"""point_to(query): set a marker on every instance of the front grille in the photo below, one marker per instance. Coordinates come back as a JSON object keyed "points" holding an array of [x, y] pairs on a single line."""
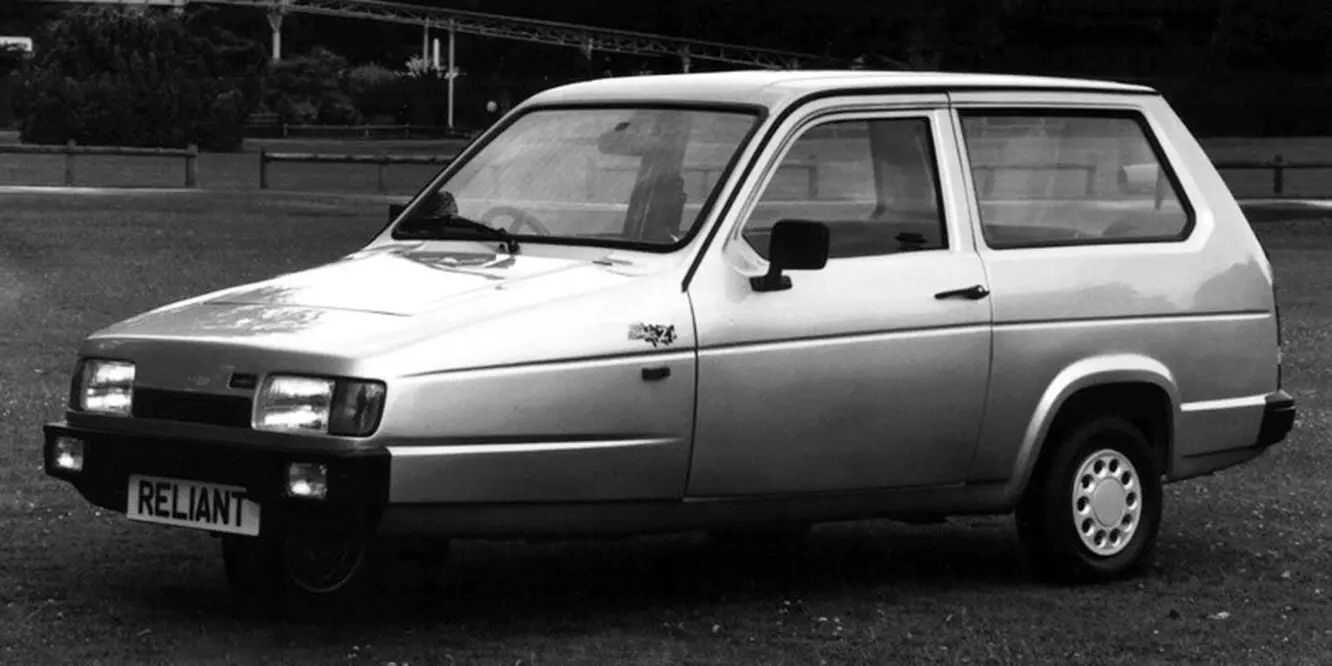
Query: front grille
{"points": [[223, 410]]}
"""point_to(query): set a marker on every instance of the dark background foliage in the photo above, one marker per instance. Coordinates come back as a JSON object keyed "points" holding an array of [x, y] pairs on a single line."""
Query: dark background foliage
{"points": [[11, 58], [1230, 67], [107, 76]]}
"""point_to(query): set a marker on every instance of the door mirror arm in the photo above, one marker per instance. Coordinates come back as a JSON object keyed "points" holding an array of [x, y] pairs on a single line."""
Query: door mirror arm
{"points": [[773, 280], [796, 245]]}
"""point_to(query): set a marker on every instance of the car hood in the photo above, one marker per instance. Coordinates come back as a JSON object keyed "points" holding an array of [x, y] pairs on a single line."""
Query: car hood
{"points": [[388, 300], [410, 281]]}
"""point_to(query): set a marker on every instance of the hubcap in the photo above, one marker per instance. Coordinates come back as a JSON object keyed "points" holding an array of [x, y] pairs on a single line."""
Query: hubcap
{"points": [[1107, 502], [323, 563]]}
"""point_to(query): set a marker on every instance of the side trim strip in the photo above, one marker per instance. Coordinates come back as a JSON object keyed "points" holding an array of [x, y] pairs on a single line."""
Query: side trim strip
{"points": [[1237, 315], [1224, 403], [648, 356], [542, 447], [927, 330], [857, 336]]}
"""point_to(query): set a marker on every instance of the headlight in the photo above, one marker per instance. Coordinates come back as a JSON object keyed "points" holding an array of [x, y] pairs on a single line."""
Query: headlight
{"points": [[357, 406], [105, 387], [319, 405]]}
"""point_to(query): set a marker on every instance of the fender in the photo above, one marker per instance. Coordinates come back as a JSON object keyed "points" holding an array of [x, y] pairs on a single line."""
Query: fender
{"points": [[1085, 373]]}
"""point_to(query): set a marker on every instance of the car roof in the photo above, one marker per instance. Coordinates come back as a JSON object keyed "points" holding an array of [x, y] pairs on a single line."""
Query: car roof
{"points": [[774, 88]]}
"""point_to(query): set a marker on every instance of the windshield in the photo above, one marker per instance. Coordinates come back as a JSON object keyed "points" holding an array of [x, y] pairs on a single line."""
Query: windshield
{"points": [[629, 177]]}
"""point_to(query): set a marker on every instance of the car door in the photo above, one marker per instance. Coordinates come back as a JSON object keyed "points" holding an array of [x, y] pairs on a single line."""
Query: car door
{"points": [[871, 372]]}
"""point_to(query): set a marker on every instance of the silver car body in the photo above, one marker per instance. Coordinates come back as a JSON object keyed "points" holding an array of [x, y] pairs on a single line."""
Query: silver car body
{"points": [[574, 389]]}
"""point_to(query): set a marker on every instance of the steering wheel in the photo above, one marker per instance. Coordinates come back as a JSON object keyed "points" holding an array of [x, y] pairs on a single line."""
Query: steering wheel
{"points": [[520, 218]]}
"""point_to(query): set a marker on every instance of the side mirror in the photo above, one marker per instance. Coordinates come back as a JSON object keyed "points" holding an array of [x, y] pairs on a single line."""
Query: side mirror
{"points": [[796, 245], [395, 210]]}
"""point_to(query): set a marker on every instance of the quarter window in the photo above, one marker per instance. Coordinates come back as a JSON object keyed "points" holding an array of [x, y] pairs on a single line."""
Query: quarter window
{"points": [[1061, 177], [873, 182]]}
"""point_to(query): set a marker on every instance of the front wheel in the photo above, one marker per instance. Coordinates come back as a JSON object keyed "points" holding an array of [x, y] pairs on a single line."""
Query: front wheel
{"points": [[1093, 511], [319, 561]]}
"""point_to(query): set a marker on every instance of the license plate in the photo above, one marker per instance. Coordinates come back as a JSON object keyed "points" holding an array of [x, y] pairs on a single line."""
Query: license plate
{"points": [[194, 504]]}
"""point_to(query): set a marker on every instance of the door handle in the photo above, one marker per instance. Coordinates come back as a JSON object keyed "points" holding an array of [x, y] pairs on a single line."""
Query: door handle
{"points": [[656, 373], [973, 293]]}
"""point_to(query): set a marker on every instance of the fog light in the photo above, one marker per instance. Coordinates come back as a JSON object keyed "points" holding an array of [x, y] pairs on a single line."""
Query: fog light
{"points": [[68, 454], [307, 480]]}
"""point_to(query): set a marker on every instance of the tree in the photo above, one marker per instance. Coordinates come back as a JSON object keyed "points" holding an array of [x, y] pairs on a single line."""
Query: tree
{"points": [[11, 59], [136, 77], [1285, 36], [310, 88]]}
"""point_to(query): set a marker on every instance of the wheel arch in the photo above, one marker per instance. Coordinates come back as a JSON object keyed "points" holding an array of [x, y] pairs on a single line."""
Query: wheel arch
{"points": [[1143, 385]]}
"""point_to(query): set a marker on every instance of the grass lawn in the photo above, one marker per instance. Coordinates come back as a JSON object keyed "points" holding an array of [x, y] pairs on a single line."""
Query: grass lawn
{"points": [[1242, 573]]}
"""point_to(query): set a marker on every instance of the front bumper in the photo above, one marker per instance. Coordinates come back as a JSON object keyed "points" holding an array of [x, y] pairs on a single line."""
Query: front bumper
{"points": [[358, 480]]}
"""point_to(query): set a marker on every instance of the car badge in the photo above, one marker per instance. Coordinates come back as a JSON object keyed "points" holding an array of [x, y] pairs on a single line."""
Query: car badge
{"points": [[653, 334]]}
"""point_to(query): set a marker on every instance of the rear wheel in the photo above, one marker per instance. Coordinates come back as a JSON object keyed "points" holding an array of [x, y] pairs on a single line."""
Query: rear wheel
{"points": [[1093, 510]]}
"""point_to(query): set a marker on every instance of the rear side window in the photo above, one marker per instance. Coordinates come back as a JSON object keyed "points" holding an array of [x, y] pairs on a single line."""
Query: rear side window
{"points": [[1061, 177]]}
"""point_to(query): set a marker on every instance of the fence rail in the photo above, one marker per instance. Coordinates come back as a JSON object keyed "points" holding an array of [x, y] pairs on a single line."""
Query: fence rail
{"points": [[987, 174], [1277, 165], [259, 129], [71, 150], [380, 160]]}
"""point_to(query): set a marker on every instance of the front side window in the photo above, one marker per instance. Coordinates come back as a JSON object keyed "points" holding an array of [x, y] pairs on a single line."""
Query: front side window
{"points": [[620, 177], [873, 182], [1064, 177]]}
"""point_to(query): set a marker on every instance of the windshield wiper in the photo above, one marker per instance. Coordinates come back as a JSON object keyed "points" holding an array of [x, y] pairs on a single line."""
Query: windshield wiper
{"points": [[459, 222]]}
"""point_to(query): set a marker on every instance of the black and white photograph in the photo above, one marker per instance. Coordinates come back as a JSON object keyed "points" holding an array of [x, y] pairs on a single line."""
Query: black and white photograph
{"points": [[522, 332]]}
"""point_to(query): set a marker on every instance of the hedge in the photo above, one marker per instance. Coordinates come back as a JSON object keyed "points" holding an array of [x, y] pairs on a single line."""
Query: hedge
{"points": [[136, 77]]}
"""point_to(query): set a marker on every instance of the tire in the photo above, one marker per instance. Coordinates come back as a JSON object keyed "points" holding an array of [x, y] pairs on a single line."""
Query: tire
{"points": [[272, 568], [1100, 473]]}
